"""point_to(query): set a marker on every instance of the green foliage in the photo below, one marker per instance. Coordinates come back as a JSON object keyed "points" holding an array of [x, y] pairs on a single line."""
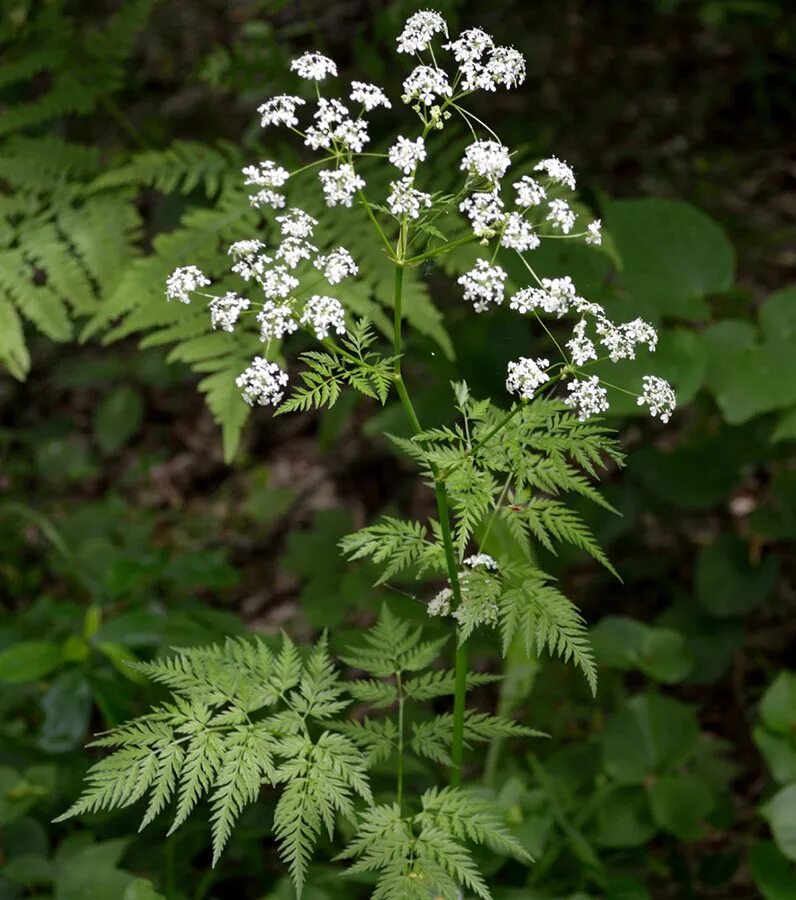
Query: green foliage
{"points": [[208, 743]]}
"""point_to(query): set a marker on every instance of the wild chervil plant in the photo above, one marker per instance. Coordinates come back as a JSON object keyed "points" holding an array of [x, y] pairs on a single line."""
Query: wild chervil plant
{"points": [[243, 717]]}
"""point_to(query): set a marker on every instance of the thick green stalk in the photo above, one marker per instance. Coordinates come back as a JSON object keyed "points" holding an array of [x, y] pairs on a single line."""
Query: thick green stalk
{"points": [[459, 700]]}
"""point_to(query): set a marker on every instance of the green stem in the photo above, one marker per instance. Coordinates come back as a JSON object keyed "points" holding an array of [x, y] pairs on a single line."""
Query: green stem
{"points": [[459, 700], [400, 789], [486, 438], [430, 254]]}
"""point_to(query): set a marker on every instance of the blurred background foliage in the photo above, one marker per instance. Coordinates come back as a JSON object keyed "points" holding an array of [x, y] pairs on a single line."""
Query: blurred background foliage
{"points": [[123, 126]]}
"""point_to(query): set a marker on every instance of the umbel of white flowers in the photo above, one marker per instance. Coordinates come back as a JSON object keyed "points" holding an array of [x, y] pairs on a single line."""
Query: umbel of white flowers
{"points": [[283, 277]]}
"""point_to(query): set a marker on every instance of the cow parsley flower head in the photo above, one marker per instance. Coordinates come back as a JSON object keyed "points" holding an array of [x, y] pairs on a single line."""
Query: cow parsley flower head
{"points": [[277, 283], [486, 159], [426, 84], [587, 397], [529, 192], [580, 346], [555, 296], [658, 396], [518, 234], [561, 216], [470, 46], [276, 320], [293, 249], [405, 200], [405, 154], [526, 375], [505, 68], [225, 311], [481, 561], [419, 29], [280, 110], [323, 313], [183, 282], [245, 249], [252, 265], [265, 174], [621, 340], [267, 197], [485, 212], [369, 95], [352, 134], [594, 233], [337, 265], [484, 285], [557, 171], [262, 383], [440, 604], [313, 66], [296, 223], [340, 185]]}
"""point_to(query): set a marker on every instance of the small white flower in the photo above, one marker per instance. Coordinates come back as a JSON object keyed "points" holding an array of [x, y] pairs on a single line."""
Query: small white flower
{"points": [[470, 46], [265, 174], [621, 340], [440, 604], [313, 66], [484, 284], [277, 283], [529, 192], [481, 560], [659, 396], [340, 185], [262, 383], [561, 216], [587, 397], [369, 95], [245, 249], [352, 134], [267, 197], [182, 282], [406, 200], [292, 250], [406, 154], [595, 233], [252, 266], [486, 159], [485, 212], [337, 265], [426, 84], [555, 296], [526, 375], [419, 29], [280, 110], [296, 223], [276, 320], [225, 311], [557, 171], [323, 313], [518, 234], [581, 348], [329, 115], [528, 299], [506, 67]]}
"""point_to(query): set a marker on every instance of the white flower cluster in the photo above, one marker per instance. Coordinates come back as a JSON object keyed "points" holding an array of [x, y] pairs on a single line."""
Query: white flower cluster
{"points": [[183, 282], [481, 560], [542, 207], [484, 285], [262, 383], [658, 396], [526, 375]]}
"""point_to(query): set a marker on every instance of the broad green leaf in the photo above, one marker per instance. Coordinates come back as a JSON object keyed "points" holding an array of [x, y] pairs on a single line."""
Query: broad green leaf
{"points": [[750, 371], [67, 708], [778, 704], [727, 584], [623, 819], [680, 803], [779, 751], [780, 813], [649, 735], [28, 869], [673, 255], [13, 351], [29, 660], [624, 643], [118, 418], [773, 874]]}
